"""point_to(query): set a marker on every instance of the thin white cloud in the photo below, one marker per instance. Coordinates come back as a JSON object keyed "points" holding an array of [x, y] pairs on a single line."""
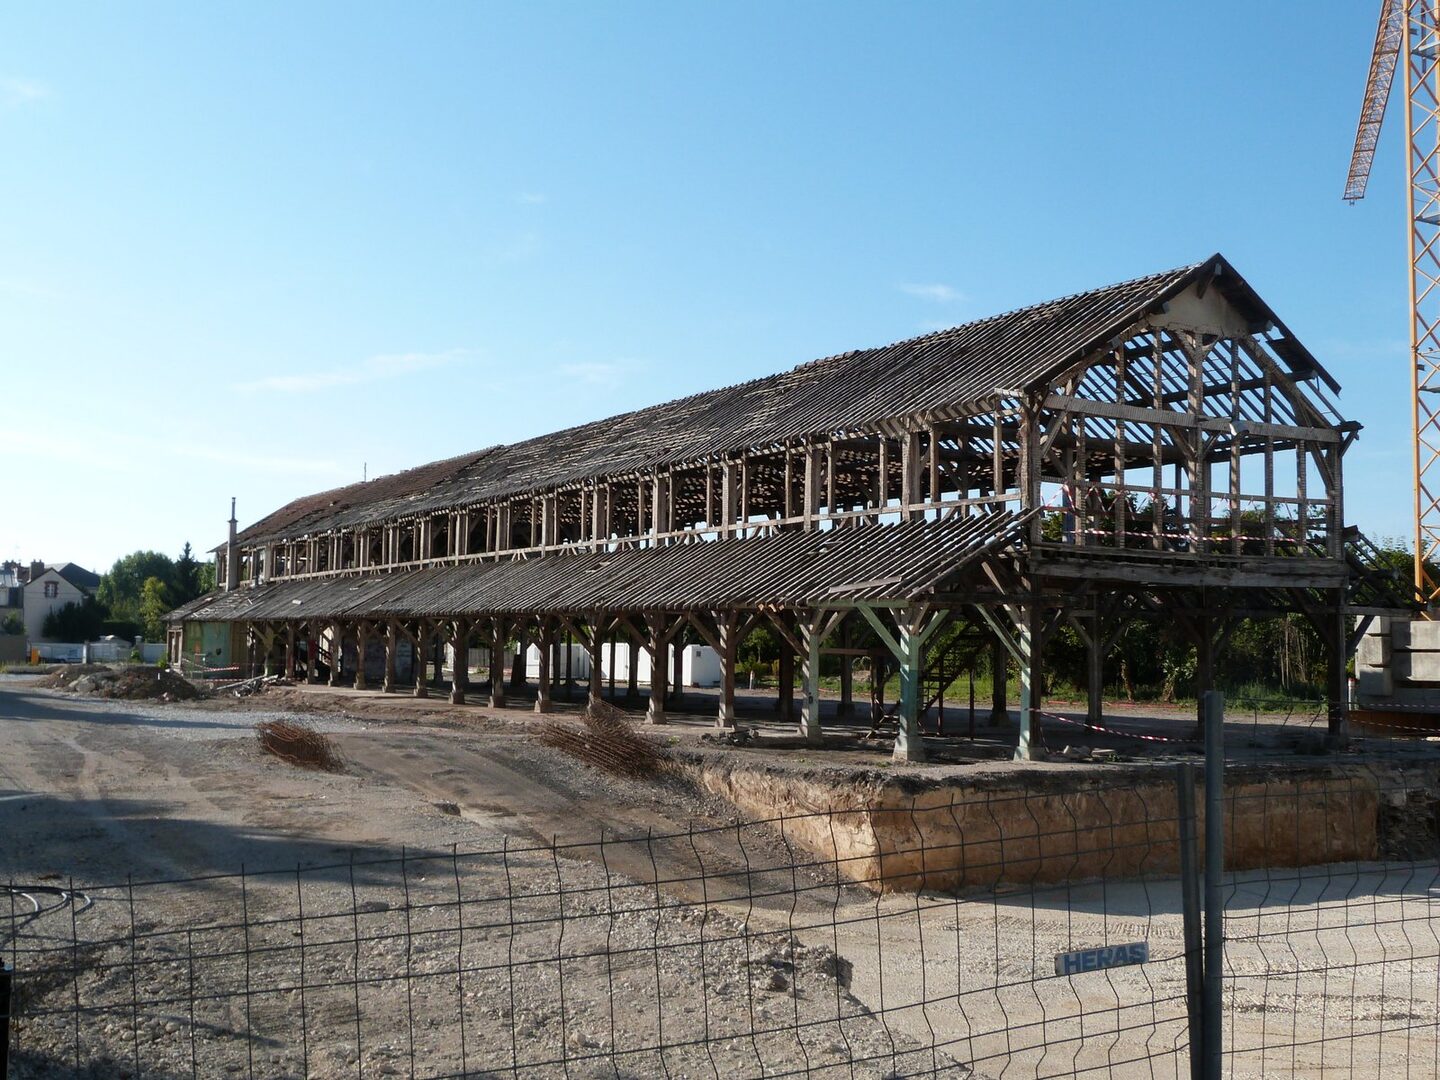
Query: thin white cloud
{"points": [[596, 372], [532, 198], [372, 369], [16, 91], [937, 293]]}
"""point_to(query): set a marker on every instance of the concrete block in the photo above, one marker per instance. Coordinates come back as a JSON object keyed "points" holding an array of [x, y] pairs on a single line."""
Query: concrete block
{"points": [[1374, 651], [1421, 667], [1374, 683]]}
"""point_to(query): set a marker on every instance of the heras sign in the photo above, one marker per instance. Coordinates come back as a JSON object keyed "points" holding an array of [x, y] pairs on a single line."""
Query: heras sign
{"points": [[1073, 963]]}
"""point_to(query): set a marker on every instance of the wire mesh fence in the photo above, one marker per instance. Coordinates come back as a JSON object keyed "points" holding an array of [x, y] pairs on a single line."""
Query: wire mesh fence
{"points": [[983, 932]]}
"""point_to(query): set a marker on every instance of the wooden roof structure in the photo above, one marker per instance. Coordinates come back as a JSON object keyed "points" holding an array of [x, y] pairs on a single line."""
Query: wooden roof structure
{"points": [[939, 375]]}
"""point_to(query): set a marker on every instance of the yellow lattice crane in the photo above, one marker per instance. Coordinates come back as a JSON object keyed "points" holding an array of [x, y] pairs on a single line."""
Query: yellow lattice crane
{"points": [[1408, 36]]}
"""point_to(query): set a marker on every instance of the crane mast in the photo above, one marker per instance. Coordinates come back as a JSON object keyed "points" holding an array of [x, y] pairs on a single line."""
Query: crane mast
{"points": [[1408, 36]]}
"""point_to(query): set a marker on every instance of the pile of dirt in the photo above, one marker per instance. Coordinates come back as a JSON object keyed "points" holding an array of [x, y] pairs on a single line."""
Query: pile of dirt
{"points": [[135, 682]]}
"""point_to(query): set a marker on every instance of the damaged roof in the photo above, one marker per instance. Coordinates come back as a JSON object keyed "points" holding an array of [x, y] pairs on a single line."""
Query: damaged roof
{"points": [[795, 569], [940, 371]]}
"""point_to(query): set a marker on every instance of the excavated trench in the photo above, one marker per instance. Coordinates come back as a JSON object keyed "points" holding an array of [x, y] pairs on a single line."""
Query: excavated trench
{"points": [[1034, 825]]}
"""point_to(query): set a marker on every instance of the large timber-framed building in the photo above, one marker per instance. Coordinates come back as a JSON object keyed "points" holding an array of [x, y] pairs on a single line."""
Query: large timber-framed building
{"points": [[1164, 446]]}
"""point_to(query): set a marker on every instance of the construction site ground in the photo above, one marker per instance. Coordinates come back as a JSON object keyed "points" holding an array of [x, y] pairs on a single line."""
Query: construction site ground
{"points": [[103, 790]]}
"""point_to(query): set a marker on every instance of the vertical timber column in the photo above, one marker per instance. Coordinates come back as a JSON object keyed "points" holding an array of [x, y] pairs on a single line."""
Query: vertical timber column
{"points": [[392, 643], [655, 712], [290, 650], [785, 698], [908, 743], [460, 666], [312, 653], [910, 476], [846, 707], [1337, 684], [497, 662], [810, 716], [362, 638], [999, 679], [594, 646], [632, 684], [1095, 671], [544, 642], [337, 652], [419, 657], [677, 673], [1204, 666], [1031, 674], [727, 627], [517, 665]]}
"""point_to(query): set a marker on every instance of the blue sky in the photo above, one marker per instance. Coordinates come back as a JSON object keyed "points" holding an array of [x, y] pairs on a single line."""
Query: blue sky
{"points": [[252, 249]]}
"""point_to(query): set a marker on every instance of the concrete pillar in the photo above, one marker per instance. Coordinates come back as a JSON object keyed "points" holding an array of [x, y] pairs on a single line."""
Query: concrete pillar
{"points": [[362, 638], [290, 651], [392, 641], [655, 712], [810, 714], [497, 663], [727, 629], [459, 671], [909, 746], [419, 659], [337, 652]]}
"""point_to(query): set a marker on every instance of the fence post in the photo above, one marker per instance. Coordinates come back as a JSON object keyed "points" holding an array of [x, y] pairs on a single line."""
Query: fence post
{"points": [[5, 978], [1190, 906], [1214, 706]]}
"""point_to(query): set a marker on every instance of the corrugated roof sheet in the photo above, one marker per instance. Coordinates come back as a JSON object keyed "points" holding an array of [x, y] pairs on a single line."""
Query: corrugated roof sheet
{"points": [[787, 569]]}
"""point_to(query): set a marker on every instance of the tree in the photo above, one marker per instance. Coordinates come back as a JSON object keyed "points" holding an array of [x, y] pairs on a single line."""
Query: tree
{"points": [[185, 580], [13, 624], [120, 590], [74, 622], [154, 605]]}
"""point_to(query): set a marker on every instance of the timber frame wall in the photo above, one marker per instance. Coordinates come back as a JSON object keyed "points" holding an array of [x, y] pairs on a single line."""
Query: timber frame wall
{"points": [[1182, 461]]}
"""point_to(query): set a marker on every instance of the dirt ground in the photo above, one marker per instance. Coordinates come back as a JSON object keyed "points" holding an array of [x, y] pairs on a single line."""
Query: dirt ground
{"points": [[722, 944]]}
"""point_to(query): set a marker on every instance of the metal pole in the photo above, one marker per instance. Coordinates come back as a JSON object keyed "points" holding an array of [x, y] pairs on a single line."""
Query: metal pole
{"points": [[1190, 906], [1214, 868], [5, 973]]}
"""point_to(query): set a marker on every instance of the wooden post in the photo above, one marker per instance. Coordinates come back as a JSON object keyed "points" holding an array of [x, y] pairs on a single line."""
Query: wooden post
{"points": [[909, 746], [846, 706], [544, 643], [810, 635], [312, 653], [290, 651], [1095, 671], [632, 686], [497, 663], [362, 639], [677, 676], [1031, 674], [337, 652], [999, 678], [517, 665], [392, 641], [460, 666], [1336, 681], [418, 658], [594, 644], [727, 626], [655, 624], [785, 699]]}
